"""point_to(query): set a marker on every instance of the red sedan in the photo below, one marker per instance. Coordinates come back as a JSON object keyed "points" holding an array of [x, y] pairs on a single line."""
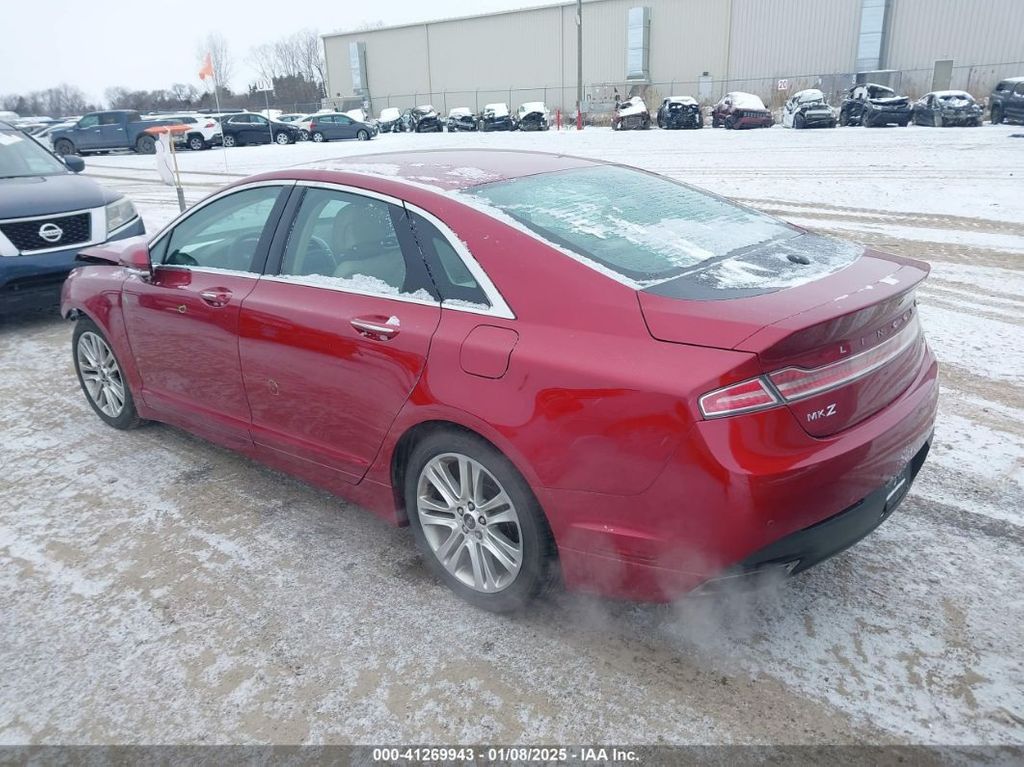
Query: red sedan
{"points": [[544, 364]]}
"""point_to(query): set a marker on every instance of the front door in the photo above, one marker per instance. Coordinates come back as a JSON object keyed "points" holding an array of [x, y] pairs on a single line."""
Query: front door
{"points": [[332, 347], [87, 133], [183, 320], [1015, 103]]}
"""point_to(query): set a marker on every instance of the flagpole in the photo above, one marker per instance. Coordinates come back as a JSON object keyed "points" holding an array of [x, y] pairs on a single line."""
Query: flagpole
{"points": [[220, 118]]}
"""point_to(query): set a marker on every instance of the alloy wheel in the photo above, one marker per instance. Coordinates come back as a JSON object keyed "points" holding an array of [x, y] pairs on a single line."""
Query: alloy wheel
{"points": [[470, 522], [101, 374]]}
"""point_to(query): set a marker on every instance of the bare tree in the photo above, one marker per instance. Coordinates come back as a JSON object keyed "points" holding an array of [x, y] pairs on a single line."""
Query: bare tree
{"points": [[220, 55], [264, 59], [295, 56], [311, 55]]}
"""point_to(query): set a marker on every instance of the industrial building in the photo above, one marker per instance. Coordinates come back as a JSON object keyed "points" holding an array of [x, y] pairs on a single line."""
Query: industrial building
{"points": [[683, 47]]}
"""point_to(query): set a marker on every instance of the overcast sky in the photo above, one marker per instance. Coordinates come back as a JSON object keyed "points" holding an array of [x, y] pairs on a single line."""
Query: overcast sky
{"points": [[96, 44]]}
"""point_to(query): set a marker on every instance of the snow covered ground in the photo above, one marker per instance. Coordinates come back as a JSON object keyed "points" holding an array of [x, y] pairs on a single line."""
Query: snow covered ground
{"points": [[159, 589]]}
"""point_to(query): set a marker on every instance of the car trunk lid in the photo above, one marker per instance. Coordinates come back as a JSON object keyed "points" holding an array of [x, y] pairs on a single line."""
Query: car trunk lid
{"points": [[838, 349]]}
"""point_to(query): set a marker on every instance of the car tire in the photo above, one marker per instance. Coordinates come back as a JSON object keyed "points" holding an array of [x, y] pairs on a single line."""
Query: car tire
{"points": [[229, 141], [865, 120], [362, 135], [196, 143], [844, 119], [282, 138], [501, 567], [145, 145], [937, 120], [63, 147], [799, 122], [303, 135], [996, 115], [730, 123], [318, 137], [99, 375]]}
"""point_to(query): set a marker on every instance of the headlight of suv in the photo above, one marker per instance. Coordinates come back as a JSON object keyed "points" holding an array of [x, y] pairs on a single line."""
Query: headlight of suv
{"points": [[119, 213]]}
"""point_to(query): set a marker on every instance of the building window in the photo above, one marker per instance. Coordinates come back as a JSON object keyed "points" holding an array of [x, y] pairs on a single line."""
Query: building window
{"points": [[638, 44], [872, 34], [357, 63]]}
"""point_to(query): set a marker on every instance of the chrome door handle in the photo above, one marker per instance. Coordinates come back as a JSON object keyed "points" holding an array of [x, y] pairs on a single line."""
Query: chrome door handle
{"points": [[216, 296], [376, 329]]}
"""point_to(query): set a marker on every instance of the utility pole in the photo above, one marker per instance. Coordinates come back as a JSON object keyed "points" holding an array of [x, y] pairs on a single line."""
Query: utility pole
{"points": [[579, 64]]}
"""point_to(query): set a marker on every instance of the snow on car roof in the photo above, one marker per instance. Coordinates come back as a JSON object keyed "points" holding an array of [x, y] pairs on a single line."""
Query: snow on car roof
{"points": [[811, 94], [952, 94], [449, 169], [498, 109], [460, 112], [681, 100], [533, 106], [745, 100]]}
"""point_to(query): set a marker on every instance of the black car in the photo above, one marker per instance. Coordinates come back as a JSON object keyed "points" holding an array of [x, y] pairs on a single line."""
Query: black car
{"points": [[47, 214], [680, 112], [871, 105], [941, 108], [389, 120], [461, 119], [1007, 100], [495, 117], [421, 119], [251, 128]]}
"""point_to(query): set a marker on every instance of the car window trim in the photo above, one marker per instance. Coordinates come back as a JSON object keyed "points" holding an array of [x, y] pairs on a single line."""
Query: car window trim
{"points": [[498, 306], [261, 256]]}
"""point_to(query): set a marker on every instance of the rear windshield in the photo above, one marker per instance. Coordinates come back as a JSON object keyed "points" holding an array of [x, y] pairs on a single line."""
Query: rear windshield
{"points": [[644, 227]]}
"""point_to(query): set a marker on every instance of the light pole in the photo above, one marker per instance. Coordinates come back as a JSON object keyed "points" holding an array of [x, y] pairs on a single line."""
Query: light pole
{"points": [[579, 64]]}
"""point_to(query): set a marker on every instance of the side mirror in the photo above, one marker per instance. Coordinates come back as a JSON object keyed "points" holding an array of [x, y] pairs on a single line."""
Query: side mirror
{"points": [[74, 163], [137, 257], [131, 253]]}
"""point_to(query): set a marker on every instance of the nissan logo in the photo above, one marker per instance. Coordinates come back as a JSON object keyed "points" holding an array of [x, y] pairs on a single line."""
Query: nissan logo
{"points": [[51, 232]]}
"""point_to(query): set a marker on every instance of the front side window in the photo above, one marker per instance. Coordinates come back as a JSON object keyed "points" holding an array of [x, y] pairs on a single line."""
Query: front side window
{"points": [[348, 241], [222, 235], [1019, 90], [89, 121]]}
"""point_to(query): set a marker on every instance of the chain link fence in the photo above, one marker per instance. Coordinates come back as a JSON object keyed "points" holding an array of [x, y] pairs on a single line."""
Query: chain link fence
{"points": [[977, 79]]}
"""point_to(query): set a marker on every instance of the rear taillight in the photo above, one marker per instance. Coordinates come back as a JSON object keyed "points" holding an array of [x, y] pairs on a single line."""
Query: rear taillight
{"points": [[744, 397], [793, 384], [210, 125], [312, 126], [797, 383]]}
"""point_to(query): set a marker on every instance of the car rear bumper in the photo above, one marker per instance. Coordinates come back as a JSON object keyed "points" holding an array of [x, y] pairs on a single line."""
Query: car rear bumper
{"points": [[729, 504], [754, 122], [34, 281]]}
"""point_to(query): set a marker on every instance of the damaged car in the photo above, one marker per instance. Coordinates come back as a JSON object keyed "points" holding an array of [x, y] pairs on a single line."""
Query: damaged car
{"points": [[942, 108], [460, 119], [389, 119], [421, 119], [494, 117], [631, 114], [871, 105], [808, 109], [533, 115], [741, 110], [680, 112]]}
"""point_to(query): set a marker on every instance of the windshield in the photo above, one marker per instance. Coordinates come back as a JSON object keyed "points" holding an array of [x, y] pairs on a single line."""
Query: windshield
{"points": [[21, 156], [643, 227]]}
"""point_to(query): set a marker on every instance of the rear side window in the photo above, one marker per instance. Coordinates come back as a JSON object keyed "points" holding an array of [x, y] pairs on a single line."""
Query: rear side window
{"points": [[449, 272]]}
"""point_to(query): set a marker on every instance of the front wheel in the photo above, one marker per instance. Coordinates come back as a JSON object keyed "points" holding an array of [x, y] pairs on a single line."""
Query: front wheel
{"points": [[939, 122], [100, 377], [477, 522], [730, 123], [363, 135], [996, 117], [798, 121], [229, 141], [282, 138], [303, 135], [318, 137], [63, 147]]}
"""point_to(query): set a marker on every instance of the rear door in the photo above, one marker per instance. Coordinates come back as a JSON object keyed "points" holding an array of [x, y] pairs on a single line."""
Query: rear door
{"points": [[183, 321], [334, 339], [112, 132]]}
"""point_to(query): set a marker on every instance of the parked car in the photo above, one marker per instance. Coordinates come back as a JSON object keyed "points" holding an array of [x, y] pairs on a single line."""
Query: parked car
{"points": [[460, 119], [808, 109], [203, 132], [533, 115], [389, 119], [679, 112], [741, 110], [106, 131], [494, 117], [631, 114], [1007, 101], [45, 136], [251, 128], [421, 119], [942, 108], [47, 214], [392, 351], [328, 127], [290, 117], [872, 105]]}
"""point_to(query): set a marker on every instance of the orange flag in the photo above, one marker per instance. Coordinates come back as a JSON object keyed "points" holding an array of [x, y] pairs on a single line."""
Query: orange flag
{"points": [[207, 70]]}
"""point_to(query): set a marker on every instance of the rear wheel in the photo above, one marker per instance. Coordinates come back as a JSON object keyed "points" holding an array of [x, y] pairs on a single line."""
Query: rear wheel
{"points": [[100, 377], [195, 143], [477, 522], [145, 145]]}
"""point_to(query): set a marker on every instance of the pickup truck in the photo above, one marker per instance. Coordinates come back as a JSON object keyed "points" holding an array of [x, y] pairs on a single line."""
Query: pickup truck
{"points": [[47, 214], [106, 131]]}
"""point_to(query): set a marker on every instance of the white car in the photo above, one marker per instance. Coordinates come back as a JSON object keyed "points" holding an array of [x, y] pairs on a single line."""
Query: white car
{"points": [[808, 109], [533, 115], [203, 132], [388, 119]]}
